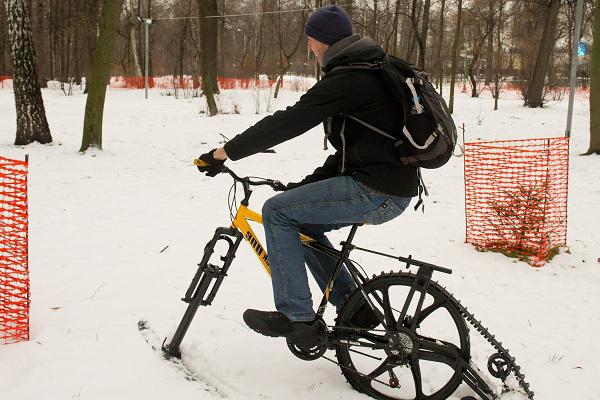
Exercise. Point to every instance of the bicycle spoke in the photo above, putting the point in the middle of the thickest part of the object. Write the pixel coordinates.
(387, 309)
(383, 367)
(416, 373)
(427, 311)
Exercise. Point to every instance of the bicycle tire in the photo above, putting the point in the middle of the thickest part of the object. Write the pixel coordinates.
(400, 282)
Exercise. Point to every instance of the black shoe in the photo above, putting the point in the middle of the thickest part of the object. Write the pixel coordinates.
(365, 318)
(275, 324)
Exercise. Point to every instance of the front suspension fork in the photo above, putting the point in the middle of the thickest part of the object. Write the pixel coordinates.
(208, 276)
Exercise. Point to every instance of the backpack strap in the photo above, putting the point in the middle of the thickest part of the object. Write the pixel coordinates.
(410, 83)
(343, 145)
(364, 65)
(422, 190)
(371, 127)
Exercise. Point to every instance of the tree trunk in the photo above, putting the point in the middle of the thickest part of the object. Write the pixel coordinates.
(473, 72)
(3, 63)
(134, 50)
(595, 87)
(454, 54)
(424, 33)
(413, 31)
(395, 28)
(489, 68)
(497, 63)
(32, 125)
(535, 93)
(205, 38)
(439, 49)
(211, 42)
(94, 106)
(373, 32)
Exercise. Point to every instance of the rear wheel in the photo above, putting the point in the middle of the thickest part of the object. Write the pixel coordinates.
(396, 362)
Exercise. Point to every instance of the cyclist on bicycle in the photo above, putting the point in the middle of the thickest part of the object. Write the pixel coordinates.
(363, 182)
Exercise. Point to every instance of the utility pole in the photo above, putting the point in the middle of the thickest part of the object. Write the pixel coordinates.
(576, 37)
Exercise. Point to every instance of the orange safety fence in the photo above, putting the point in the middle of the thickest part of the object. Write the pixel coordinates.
(188, 82)
(130, 82)
(4, 78)
(516, 197)
(245, 83)
(14, 269)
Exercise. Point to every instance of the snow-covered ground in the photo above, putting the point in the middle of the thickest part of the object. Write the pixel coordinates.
(115, 236)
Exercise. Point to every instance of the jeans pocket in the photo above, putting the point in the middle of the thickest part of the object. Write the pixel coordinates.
(387, 211)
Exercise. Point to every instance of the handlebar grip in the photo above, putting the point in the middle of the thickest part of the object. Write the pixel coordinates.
(199, 163)
(278, 186)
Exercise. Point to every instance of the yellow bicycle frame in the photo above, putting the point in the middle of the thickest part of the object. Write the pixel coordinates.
(240, 222)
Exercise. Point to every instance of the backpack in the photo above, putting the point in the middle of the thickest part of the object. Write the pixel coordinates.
(428, 135)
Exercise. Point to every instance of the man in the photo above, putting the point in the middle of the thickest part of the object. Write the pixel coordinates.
(363, 182)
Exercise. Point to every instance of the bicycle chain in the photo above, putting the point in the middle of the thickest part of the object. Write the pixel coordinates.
(491, 339)
(482, 330)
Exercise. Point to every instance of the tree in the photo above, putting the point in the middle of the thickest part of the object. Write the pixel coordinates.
(595, 88)
(454, 54)
(535, 93)
(439, 49)
(32, 125)
(132, 38)
(208, 33)
(424, 34)
(285, 57)
(101, 63)
(497, 59)
(479, 24)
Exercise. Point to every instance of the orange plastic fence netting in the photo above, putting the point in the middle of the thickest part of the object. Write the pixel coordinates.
(14, 271)
(188, 82)
(516, 197)
(5, 81)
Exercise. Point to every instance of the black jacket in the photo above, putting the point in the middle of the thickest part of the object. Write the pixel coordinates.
(366, 155)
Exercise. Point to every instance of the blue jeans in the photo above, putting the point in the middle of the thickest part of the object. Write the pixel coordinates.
(315, 209)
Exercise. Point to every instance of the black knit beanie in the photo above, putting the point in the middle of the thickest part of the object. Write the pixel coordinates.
(328, 24)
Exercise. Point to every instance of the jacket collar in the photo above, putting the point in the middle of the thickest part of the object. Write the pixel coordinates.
(351, 49)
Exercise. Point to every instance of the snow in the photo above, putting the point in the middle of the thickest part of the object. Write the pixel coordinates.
(99, 221)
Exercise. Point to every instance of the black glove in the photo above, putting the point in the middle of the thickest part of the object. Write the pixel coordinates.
(292, 185)
(208, 164)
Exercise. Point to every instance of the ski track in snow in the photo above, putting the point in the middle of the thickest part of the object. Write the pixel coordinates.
(99, 221)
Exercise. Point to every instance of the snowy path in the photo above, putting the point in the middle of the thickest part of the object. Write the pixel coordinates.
(99, 222)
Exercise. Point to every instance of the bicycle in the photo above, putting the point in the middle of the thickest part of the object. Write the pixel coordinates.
(407, 337)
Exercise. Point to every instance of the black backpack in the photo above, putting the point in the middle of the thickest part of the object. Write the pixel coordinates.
(428, 135)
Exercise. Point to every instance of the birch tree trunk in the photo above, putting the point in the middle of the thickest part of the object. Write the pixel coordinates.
(132, 27)
(32, 125)
(595, 87)
(94, 106)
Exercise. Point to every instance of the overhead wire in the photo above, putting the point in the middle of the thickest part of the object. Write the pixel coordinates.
(247, 14)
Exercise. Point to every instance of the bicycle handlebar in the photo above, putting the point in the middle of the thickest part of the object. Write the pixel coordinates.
(274, 184)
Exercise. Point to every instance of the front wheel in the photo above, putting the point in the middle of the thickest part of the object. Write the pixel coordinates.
(395, 362)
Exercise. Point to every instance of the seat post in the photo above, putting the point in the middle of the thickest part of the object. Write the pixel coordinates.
(346, 248)
(348, 241)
